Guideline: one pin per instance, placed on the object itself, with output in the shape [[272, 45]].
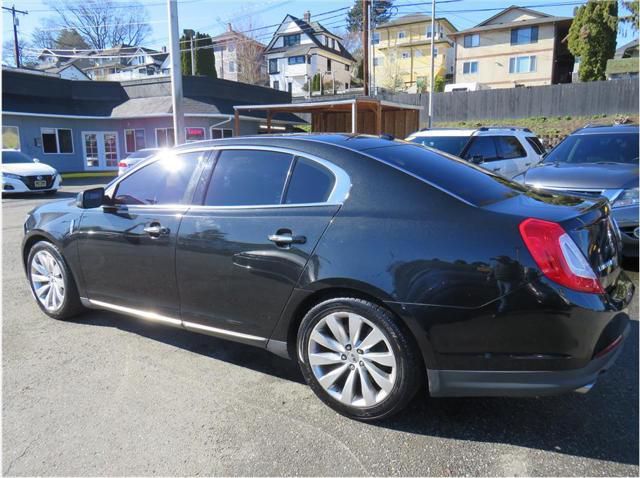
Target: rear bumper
[[627, 219], [481, 383]]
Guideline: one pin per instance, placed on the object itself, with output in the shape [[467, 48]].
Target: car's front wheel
[[51, 282], [358, 359]]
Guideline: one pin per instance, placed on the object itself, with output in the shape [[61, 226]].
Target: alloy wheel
[[47, 280], [352, 359]]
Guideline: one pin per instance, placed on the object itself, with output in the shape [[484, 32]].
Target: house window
[[141, 60], [296, 60], [402, 35], [232, 67], [520, 36], [231, 48], [469, 67], [134, 140], [309, 59], [333, 43], [11, 137], [273, 66], [435, 52], [217, 133], [193, 134], [406, 55], [276, 85], [522, 64], [291, 40], [472, 41], [57, 141], [377, 61], [417, 53], [328, 64], [346, 67], [375, 39], [164, 137], [289, 87]]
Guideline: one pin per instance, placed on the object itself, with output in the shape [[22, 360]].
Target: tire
[[340, 373], [39, 265]]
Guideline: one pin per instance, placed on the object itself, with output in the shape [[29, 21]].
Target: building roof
[[42, 94], [535, 13], [415, 18], [504, 26], [619, 66], [622, 51]]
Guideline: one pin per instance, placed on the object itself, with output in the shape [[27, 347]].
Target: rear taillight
[[122, 164], [558, 256]]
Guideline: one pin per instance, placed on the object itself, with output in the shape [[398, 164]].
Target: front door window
[[111, 150], [91, 150], [100, 150]]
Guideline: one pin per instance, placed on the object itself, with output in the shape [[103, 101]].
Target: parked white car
[[125, 165], [504, 150], [22, 174]]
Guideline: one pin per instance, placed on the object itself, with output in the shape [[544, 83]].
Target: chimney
[[307, 16], [164, 49], [229, 27]]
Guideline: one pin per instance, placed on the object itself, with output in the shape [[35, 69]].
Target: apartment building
[[239, 57], [514, 48], [300, 49], [402, 52]]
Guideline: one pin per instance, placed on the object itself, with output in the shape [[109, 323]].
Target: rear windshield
[[449, 144], [471, 183], [596, 148]]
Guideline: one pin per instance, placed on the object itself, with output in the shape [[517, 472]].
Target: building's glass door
[[101, 149]]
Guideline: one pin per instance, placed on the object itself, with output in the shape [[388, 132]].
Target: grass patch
[[94, 174]]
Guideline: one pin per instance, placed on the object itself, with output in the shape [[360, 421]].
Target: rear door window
[[248, 178], [536, 144], [310, 183], [509, 147], [483, 147]]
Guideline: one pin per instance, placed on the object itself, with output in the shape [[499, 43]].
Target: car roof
[[600, 129], [481, 131]]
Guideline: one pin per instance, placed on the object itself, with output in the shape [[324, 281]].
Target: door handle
[[156, 230], [286, 239]]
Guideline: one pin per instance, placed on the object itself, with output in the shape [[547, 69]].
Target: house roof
[[620, 52], [535, 13], [415, 18], [46, 95], [233, 35], [521, 23]]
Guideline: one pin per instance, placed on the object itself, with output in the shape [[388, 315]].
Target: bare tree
[[103, 23], [250, 52], [27, 56]]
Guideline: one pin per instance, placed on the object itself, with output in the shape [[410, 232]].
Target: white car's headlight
[[629, 197], [11, 176]]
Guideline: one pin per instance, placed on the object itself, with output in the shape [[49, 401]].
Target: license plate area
[[40, 184]]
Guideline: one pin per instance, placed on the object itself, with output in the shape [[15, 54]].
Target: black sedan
[[379, 265]]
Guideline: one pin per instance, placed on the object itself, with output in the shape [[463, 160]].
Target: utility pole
[[372, 70], [16, 46], [190, 34], [176, 72], [365, 45], [433, 63]]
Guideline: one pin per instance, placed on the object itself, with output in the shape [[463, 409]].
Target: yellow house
[[516, 47], [402, 52]]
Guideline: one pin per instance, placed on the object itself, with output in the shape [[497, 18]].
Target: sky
[[212, 16]]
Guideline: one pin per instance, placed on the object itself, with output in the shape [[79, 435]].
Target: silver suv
[[508, 151]]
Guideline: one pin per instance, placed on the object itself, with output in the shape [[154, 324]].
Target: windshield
[[449, 144], [15, 157], [596, 148]]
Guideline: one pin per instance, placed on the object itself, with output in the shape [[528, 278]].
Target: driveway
[[110, 395]]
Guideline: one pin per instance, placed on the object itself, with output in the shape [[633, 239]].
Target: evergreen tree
[[205, 59], [381, 12], [592, 37]]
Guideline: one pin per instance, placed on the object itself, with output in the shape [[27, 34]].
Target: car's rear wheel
[[358, 359], [51, 282]]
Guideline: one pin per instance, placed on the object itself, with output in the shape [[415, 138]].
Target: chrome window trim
[[337, 196]]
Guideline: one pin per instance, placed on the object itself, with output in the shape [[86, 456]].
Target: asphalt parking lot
[[109, 395]]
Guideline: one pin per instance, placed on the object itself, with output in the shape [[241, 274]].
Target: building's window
[[273, 66], [141, 60], [291, 40], [346, 67], [289, 87], [164, 137], [10, 137], [310, 183], [406, 55], [232, 48], [296, 60], [522, 64], [248, 178], [435, 52], [232, 66], [217, 133], [524, 35], [276, 85], [375, 39], [134, 140], [377, 61], [328, 64], [193, 134], [57, 141], [346, 86], [469, 67], [142, 70], [333, 43], [472, 41], [402, 35], [417, 52]]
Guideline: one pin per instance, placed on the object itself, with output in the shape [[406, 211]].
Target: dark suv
[[596, 161]]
